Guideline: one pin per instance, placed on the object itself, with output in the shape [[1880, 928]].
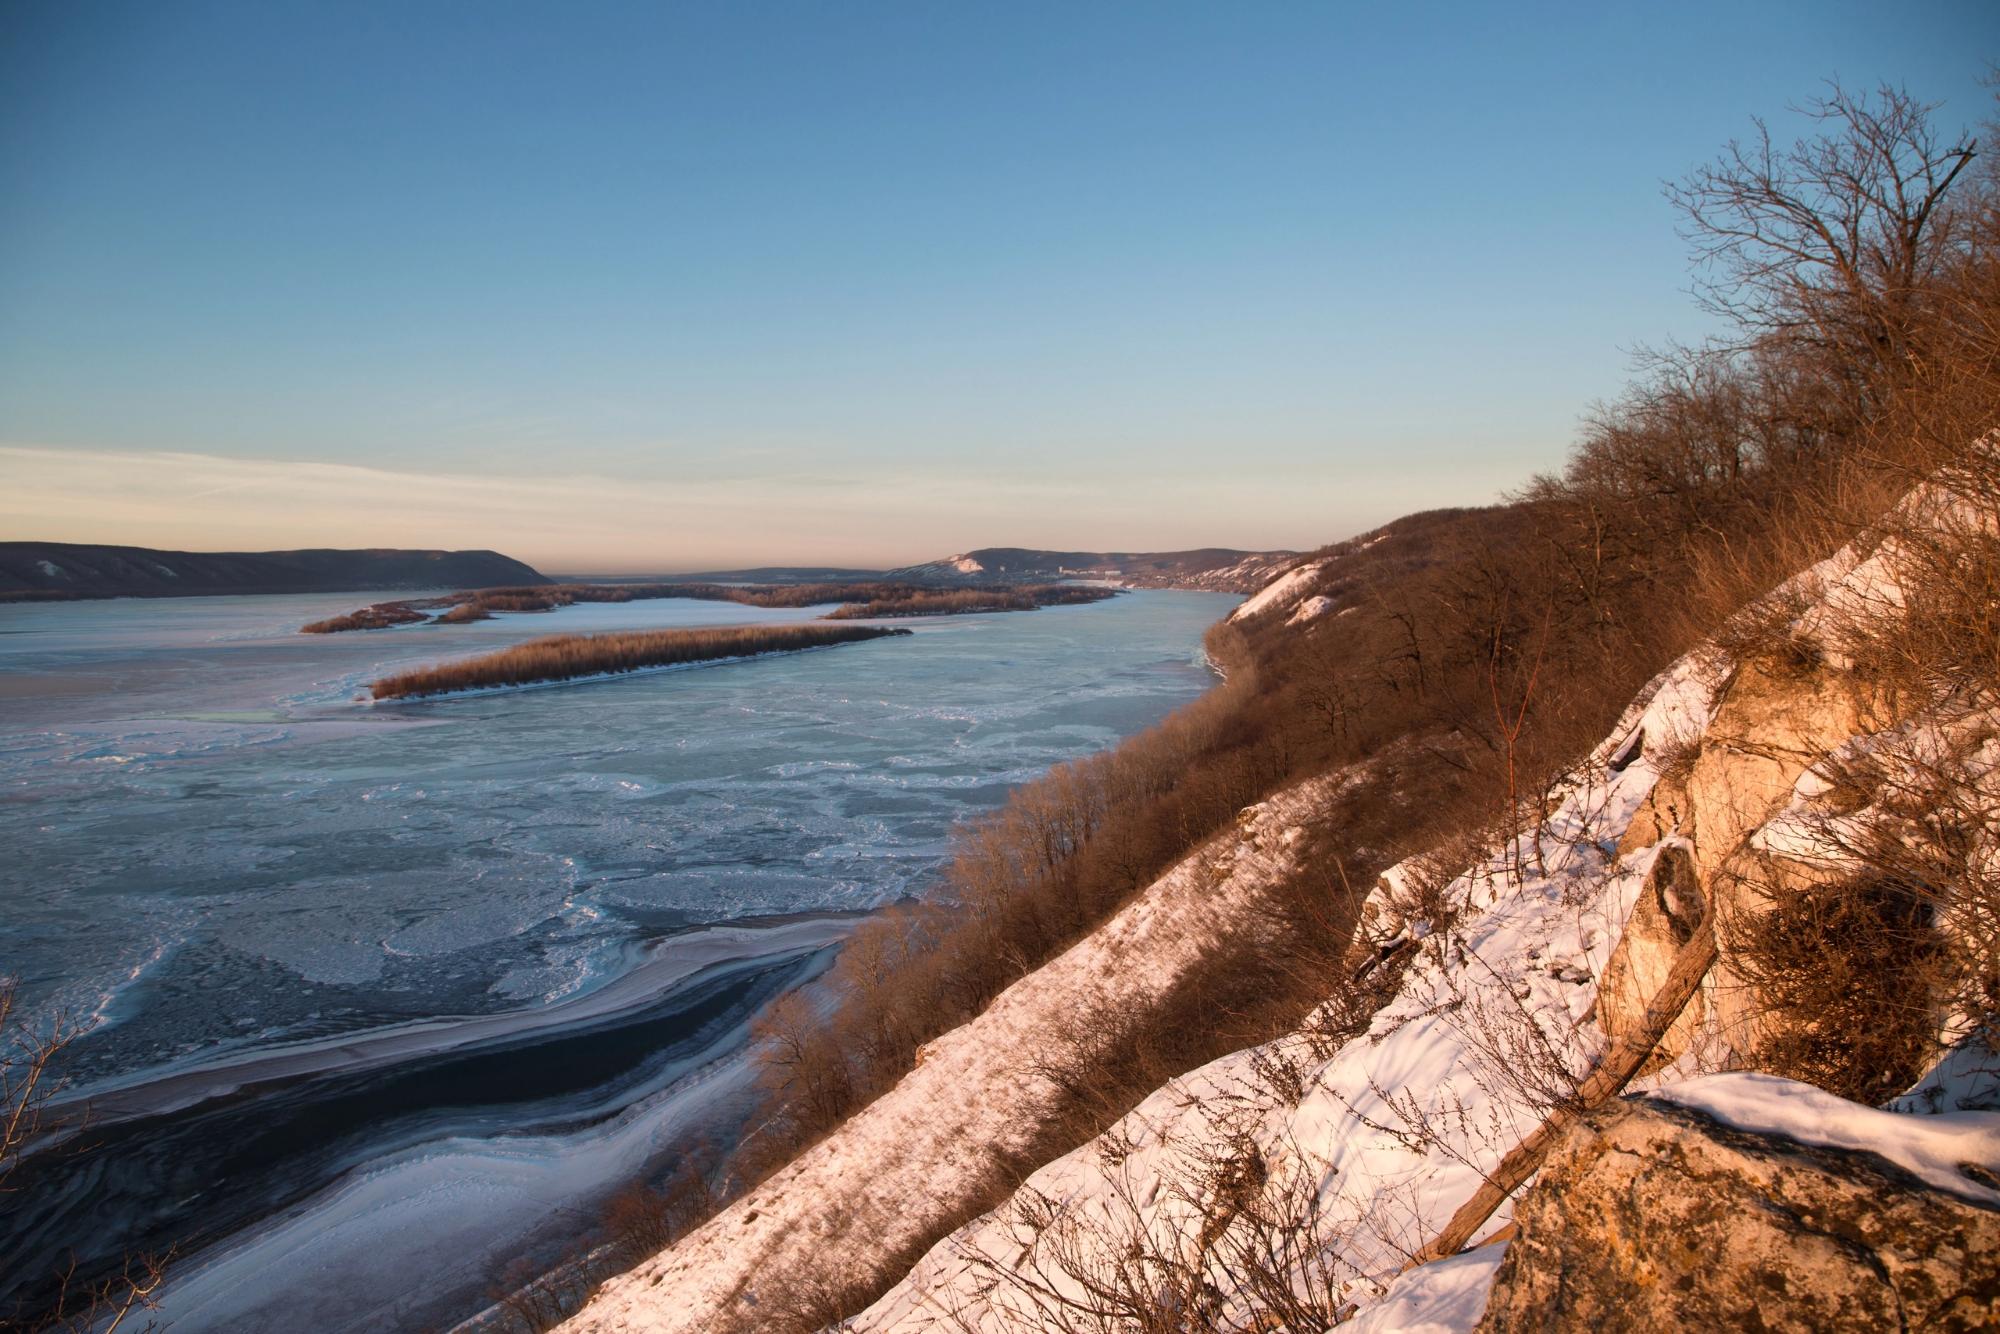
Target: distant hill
[[1219, 568], [763, 574], [62, 570]]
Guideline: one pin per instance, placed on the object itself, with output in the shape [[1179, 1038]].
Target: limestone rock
[[1768, 729], [1771, 725], [1669, 909], [1664, 813], [1652, 1216]]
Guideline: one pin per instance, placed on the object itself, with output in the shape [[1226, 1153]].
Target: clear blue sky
[[667, 285]]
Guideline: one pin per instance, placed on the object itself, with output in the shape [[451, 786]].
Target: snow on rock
[[50, 569], [1370, 1146], [1279, 592], [1859, 590], [1904, 760], [1651, 1213], [1312, 609], [894, 1175], [1931, 1148], [966, 565], [1444, 1297], [1967, 1079]]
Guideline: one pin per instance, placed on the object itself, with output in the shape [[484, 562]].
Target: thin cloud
[[588, 521]]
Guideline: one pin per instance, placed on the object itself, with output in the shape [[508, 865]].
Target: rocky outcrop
[[1664, 813], [1772, 724], [1670, 906], [1655, 1216], [1778, 717]]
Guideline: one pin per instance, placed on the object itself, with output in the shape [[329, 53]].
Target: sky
[[656, 287]]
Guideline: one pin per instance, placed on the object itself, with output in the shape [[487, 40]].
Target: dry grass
[[567, 657], [464, 613]]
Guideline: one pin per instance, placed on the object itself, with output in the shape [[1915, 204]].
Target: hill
[[762, 574], [1489, 981], [63, 570], [1219, 568]]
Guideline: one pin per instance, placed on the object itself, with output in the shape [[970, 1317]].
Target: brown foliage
[[966, 601], [1846, 974], [566, 657], [465, 612]]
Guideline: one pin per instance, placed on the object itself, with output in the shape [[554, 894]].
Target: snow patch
[[1279, 591], [1930, 1148], [1392, 1131], [1312, 609], [1967, 1079], [1444, 1297], [887, 1178]]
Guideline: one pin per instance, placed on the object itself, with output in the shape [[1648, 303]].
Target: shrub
[[378, 617]]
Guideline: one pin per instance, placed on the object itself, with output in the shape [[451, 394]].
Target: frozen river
[[376, 985]]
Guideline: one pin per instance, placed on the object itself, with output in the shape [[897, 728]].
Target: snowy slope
[[1280, 592], [892, 1177], [1311, 610], [1369, 1147], [1379, 1141], [1362, 1146]]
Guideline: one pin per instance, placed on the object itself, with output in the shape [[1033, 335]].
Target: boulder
[[1654, 1216]]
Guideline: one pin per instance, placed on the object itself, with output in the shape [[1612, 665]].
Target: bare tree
[[28, 1080], [1839, 240]]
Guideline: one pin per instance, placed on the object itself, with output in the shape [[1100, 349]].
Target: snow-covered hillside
[[1374, 1144], [1280, 593], [944, 1137], [1298, 1184], [1296, 1181]]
